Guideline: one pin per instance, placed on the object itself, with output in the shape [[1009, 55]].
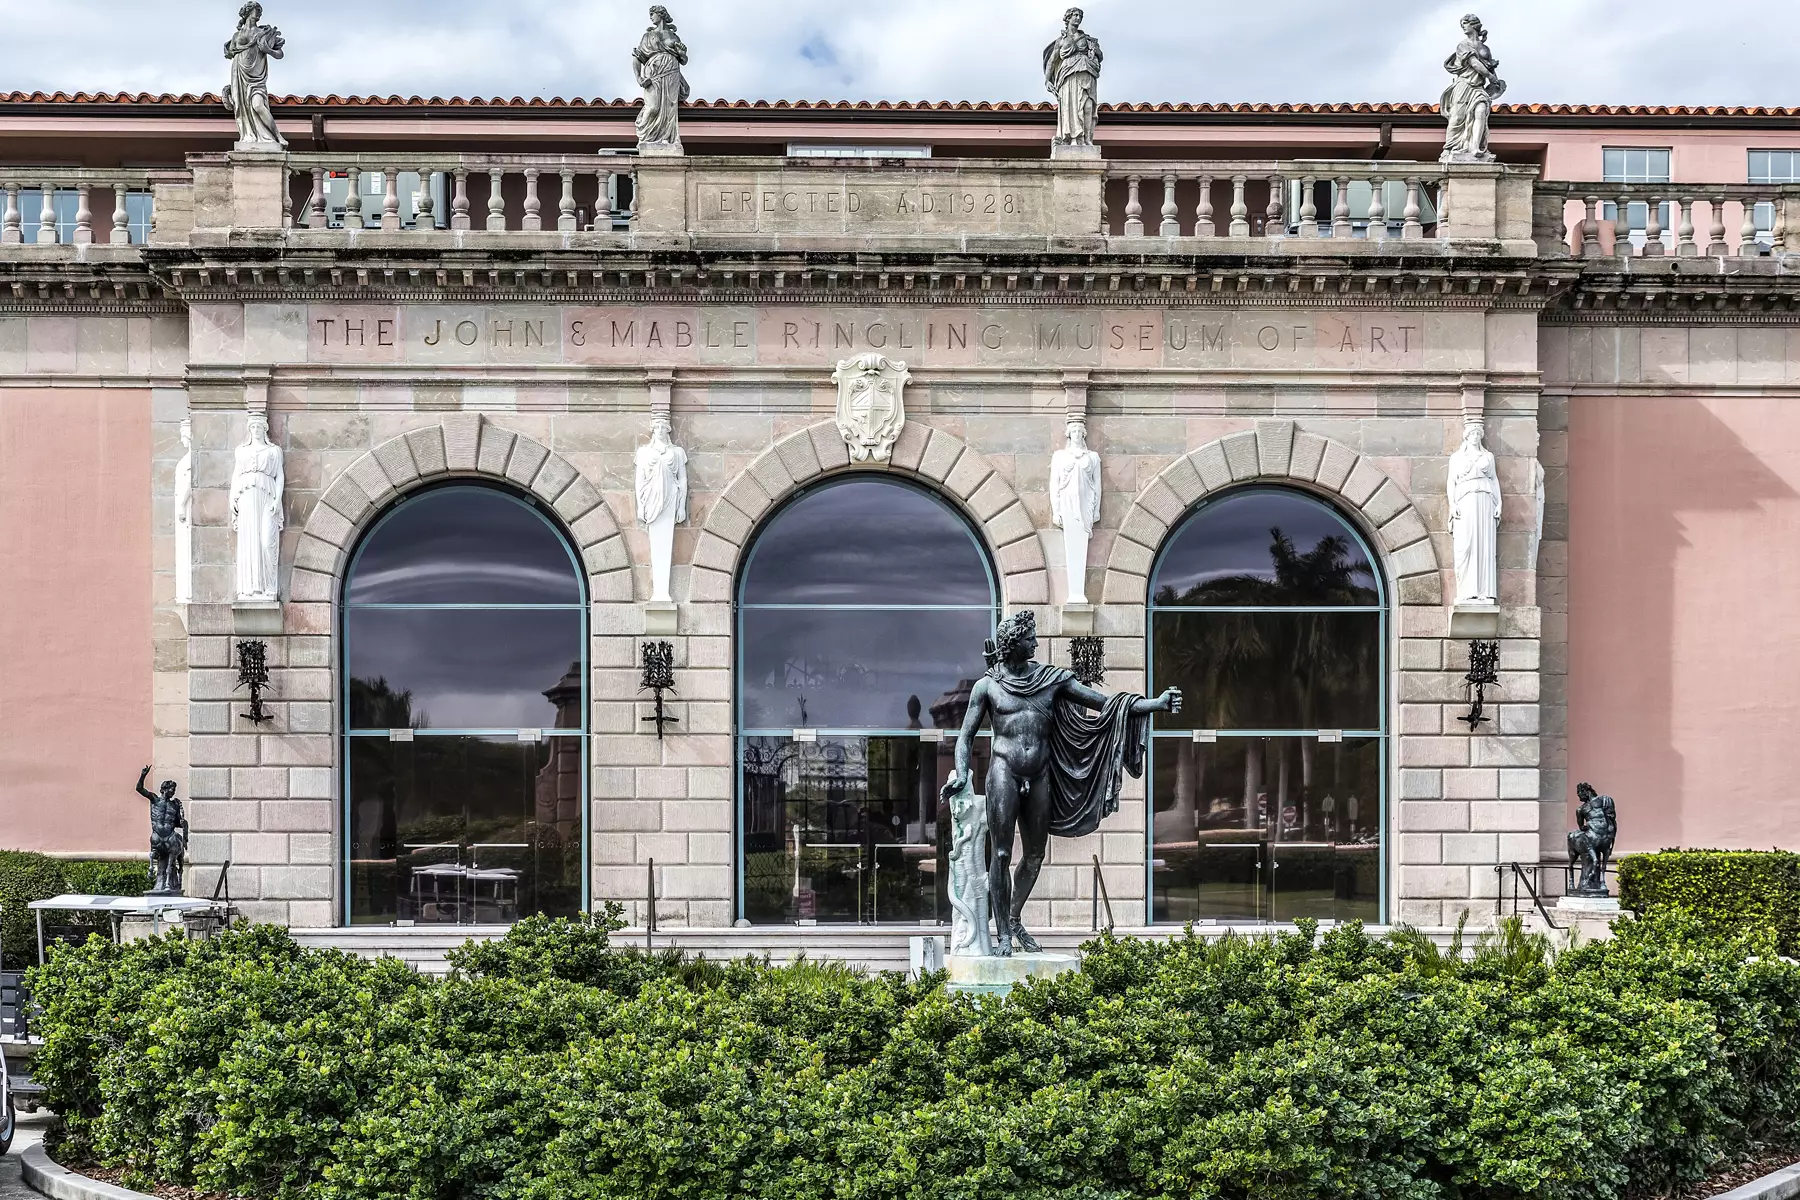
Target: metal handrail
[[1530, 877]]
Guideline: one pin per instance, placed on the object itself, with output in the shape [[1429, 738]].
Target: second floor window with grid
[[1772, 166], [1630, 164]]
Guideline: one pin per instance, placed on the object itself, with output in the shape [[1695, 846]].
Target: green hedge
[[551, 1065], [26, 876], [1729, 889]]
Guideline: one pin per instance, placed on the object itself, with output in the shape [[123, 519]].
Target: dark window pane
[[1266, 829], [464, 829], [1270, 670], [464, 668], [847, 830], [839, 669], [867, 541], [1264, 548], [464, 545]]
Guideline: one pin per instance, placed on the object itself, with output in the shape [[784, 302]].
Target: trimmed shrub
[[551, 1066], [1729, 889], [26, 876]]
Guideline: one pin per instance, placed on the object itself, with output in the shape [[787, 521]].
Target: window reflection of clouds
[[467, 669], [867, 541], [1231, 538], [464, 545]]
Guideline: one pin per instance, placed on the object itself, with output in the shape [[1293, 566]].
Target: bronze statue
[[1591, 841], [168, 836], [1056, 767]]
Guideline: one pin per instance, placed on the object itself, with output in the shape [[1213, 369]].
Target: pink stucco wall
[[1684, 616], [75, 601]]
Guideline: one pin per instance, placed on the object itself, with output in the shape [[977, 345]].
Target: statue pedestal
[[1475, 622], [1086, 153], [1077, 618], [660, 618], [256, 616], [997, 976], [1588, 917]]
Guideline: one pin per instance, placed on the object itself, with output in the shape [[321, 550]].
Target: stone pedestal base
[[1475, 621], [660, 618], [256, 617], [1089, 153], [660, 150], [997, 976], [1589, 918], [1077, 619]]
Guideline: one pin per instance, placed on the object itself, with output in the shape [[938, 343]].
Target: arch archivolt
[[1275, 452], [459, 445], [947, 463]]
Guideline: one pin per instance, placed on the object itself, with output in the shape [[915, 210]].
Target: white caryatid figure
[[1538, 506], [184, 516], [662, 502], [257, 482], [1474, 491], [1075, 505]]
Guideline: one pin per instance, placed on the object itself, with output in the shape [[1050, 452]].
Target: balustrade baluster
[[1590, 227], [1378, 229], [425, 206], [84, 215], [353, 204], [390, 199], [1309, 212], [1341, 225], [1240, 212], [1684, 231], [1443, 209], [1134, 208], [534, 210], [46, 234], [459, 200], [1622, 247], [1203, 212], [1747, 243], [12, 229], [1105, 212], [1274, 218], [565, 206], [496, 218], [1716, 245], [121, 227], [1653, 230], [1171, 216], [315, 203], [1411, 229], [1778, 231]]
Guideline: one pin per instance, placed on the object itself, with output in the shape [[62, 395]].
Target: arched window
[[863, 607], [465, 689], [1268, 611]]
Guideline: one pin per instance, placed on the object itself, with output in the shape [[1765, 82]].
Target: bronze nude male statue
[[1056, 766], [168, 836], [1591, 841]]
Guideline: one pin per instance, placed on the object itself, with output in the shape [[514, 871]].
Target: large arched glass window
[[1268, 611], [465, 669], [863, 608]]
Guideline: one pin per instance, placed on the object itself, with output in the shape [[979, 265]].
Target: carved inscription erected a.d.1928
[[838, 204]]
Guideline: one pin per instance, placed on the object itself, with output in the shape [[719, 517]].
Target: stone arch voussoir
[[1276, 452], [941, 460], [459, 445]]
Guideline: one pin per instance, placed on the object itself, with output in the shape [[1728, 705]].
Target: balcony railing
[[1404, 201], [55, 205], [427, 192], [1680, 220]]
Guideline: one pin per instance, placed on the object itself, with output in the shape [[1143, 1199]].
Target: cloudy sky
[[1615, 51]]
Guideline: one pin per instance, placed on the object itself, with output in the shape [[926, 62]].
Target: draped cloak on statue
[[1088, 750]]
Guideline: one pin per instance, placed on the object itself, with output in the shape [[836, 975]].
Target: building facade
[[869, 331]]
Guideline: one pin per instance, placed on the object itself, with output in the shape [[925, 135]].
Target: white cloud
[[1619, 51]]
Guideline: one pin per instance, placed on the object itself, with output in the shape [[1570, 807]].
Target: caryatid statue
[[1056, 767], [1475, 85], [662, 501], [1474, 492], [1072, 73], [658, 59], [257, 481], [168, 836], [247, 94], [1075, 504], [184, 516]]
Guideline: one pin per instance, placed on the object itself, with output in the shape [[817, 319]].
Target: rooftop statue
[[1591, 841], [168, 835], [1475, 85], [659, 57], [1072, 73], [247, 94], [1056, 767]]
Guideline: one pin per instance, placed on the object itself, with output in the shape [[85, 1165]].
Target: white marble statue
[[871, 405], [1474, 490], [1075, 505], [247, 94], [658, 60], [1537, 500], [1475, 85], [971, 933], [1072, 73], [257, 482], [184, 516], [662, 501]]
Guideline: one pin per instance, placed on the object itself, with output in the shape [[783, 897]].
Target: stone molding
[[1276, 452], [940, 460], [459, 445]]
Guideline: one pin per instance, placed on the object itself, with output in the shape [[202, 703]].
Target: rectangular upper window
[[1629, 164], [1775, 166], [854, 150]]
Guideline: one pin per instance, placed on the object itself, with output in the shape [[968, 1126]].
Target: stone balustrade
[[1370, 200], [50, 206], [1656, 220], [431, 192]]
